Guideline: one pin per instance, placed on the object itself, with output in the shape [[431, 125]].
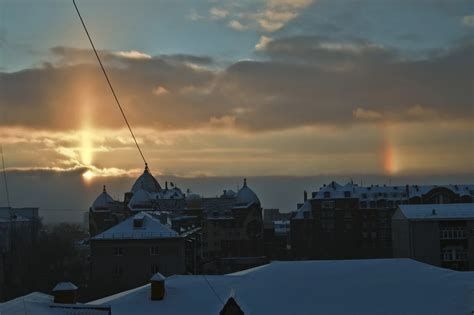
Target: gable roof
[[151, 228], [454, 211]]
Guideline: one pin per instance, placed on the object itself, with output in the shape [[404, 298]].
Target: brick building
[[352, 221]]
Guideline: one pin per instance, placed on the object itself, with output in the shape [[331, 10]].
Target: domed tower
[[103, 202], [147, 182], [246, 196], [101, 216]]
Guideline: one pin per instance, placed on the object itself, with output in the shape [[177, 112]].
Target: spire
[[146, 167], [104, 190], [245, 182]]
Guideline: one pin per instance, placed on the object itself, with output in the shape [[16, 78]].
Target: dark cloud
[[301, 81]]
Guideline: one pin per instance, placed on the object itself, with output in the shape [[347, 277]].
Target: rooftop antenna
[[110, 84], [5, 177]]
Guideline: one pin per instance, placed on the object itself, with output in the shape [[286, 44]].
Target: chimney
[[157, 283], [65, 293], [166, 185], [305, 195]]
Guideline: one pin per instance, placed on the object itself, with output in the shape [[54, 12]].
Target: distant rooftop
[[452, 211]]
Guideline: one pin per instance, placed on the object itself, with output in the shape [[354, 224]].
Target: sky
[[220, 90]]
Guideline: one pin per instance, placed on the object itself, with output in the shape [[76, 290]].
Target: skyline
[[255, 88]]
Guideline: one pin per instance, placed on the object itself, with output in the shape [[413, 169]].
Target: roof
[[42, 304], [377, 286], [141, 199], [147, 182], [103, 202], [305, 208], [452, 211], [65, 286], [246, 195], [151, 228], [375, 192]]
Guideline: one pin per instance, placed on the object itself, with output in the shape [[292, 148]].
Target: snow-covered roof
[[376, 286], [147, 182], [245, 195], [157, 277], [305, 211], [141, 200], [65, 286], [42, 304], [454, 211], [103, 202], [375, 192], [149, 228]]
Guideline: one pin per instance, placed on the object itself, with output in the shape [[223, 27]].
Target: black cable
[[108, 81]]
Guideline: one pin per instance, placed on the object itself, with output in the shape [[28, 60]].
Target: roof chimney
[[166, 185], [157, 283], [65, 293], [305, 195]]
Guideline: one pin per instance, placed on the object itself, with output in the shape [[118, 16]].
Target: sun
[[88, 175]]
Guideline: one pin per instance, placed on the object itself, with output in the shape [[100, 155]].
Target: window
[[327, 194], [327, 205], [347, 194], [137, 223], [154, 250], [364, 196], [154, 269], [118, 270], [363, 204], [118, 251]]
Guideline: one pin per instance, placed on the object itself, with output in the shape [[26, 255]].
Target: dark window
[[138, 223], [118, 251], [154, 269], [118, 270], [347, 194], [154, 250], [327, 194]]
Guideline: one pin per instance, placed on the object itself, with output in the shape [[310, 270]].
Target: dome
[[147, 182], [141, 200], [228, 194], [102, 202], [246, 195]]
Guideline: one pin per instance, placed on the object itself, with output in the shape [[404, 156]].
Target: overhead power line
[[109, 83]]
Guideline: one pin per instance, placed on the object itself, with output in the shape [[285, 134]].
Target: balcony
[[454, 233]]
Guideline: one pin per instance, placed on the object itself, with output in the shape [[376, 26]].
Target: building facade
[[351, 221], [437, 234]]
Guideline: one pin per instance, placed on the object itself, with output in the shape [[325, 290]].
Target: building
[[126, 255], [351, 221], [231, 224], [19, 230], [437, 234]]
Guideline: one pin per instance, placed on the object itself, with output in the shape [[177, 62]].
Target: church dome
[[103, 202], [246, 195], [141, 200], [147, 182]]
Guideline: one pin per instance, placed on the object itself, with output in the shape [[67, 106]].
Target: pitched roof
[[376, 286], [437, 211], [147, 182], [151, 228]]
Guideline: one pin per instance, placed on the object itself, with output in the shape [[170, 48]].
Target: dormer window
[[327, 194], [347, 194]]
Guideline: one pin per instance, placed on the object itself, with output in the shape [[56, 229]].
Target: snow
[[245, 195], [305, 208], [147, 182], [152, 228], [102, 202], [141, 200], [376, 192], [437, 211], [65, 286], [378, 286], [42, 304], [158, 277]]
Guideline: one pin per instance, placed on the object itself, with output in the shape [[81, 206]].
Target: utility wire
[[5, 177], [108, 81]]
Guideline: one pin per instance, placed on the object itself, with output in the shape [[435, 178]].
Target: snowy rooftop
[[452, 211], [374, 192], [148, 227], [42, 304], [65, 286], [378, 286]]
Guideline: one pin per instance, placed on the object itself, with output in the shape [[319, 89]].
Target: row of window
[[118, 251], [452, 233], [454, 254], [348, 194]]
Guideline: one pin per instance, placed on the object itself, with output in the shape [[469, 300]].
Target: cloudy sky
[[238, 88]]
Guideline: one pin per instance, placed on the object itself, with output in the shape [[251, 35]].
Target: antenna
[[5, 177], [109, 83]]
